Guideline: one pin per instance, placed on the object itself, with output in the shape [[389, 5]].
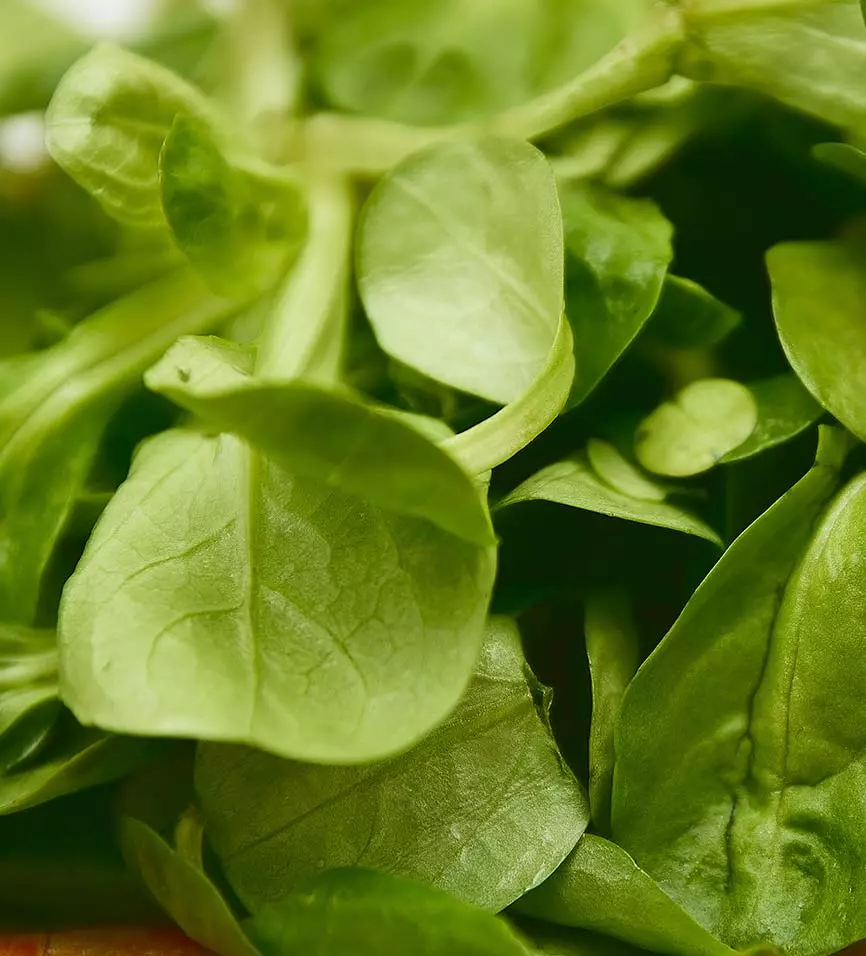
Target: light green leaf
[[843, 156], [810, 56], [689, 317], [612, 649], [29, 694], [185, 892], [573, 483], [600, 888], [297, 619], [54, 406], [241, 227], [483, 808], [107, 123], [690, 434], [77, 759], [617, 254], [460, 264], [332, 437], [550, 940], [785, 409], [819, 299], [740, 745], [367, 914], [614, 468]]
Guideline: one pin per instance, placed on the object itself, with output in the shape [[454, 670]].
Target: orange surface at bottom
[[102, 942]]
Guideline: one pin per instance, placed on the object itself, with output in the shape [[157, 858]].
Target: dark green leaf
[[689, 317]]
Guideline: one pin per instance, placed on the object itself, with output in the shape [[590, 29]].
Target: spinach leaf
[[367, 913], [54, 406], [324, 435], [617, 254], [550, 940], [242, 228], [843, 156], [599, 887], [460, 265], [574, 483], [302, 619], [689, 317], [29, 694], [785, 410], [107, 123], [819, 298], [736, 789], [184, 891], [810, 56], [498, 810], [612, 649], [707, 420]]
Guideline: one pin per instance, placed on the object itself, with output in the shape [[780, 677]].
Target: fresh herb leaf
[[689, 317]]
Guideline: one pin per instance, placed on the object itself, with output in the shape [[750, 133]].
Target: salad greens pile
[[432, 480]]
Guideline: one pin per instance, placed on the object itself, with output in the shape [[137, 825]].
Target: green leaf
[[367, 914], [185, 892], [740, 744], [298, 618], [483, 808], [810, 56], [550, 940], [689, 435], [617, 254], [54, 406], [819, 299], [77, 759], [241, 227], [107, 123], [573, 483], [612, 649], [689, 317], [29, 694], [599, 887], [324, 435], [785, 410], [420, 63], [460, 264], [843, 156], [614, 468]]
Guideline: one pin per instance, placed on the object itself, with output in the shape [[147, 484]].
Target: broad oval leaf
[[460, 264], [819, 299], [707, 420], [107, 123], [623, 476], [785, 410], [617, 253], [333, 437], [241, 227], [599, 887], [740, 746], [367, 914], [297, 618], [689, 317], [573, 483], [483, 808]]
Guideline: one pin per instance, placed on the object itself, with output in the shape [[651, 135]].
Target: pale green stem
[[501, 436], [305, 322]]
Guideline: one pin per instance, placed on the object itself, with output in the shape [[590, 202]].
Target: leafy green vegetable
[[366, 913], [819, 297], [460, 265], [843, 156], [757, 771], [107, 124], [707, 420], [618, 252], [574, 483], [489, 832], [688, 317], [241, 228], [615, 469]]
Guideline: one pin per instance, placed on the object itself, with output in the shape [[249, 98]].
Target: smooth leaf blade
[[107, 123], [483, 808], [241, 228], [332, 437], [297, 618], [460, 264], [819, 300]]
